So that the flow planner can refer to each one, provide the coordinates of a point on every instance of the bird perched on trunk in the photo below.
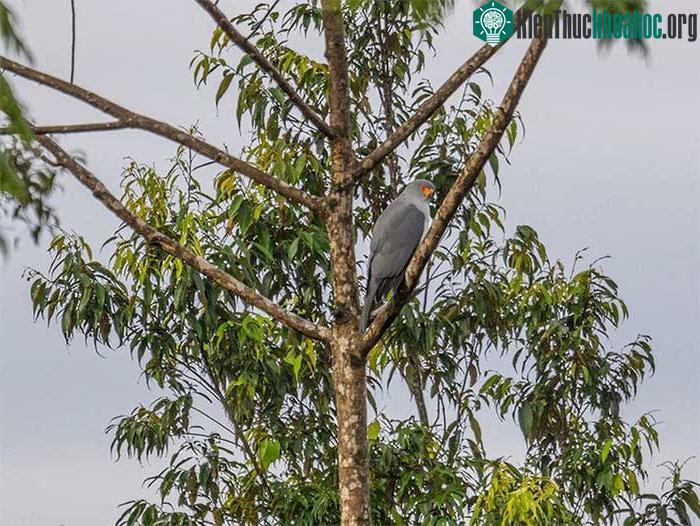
(395, 237)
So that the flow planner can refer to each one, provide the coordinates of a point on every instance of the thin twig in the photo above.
(72, 41)
(70, 128)
(414, 380)
(237, 430)
(262, 20)
(212, 419)
(387, 98)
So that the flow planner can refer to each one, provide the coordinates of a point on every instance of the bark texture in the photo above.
(348, 371)
(350, 383)
(70, 128)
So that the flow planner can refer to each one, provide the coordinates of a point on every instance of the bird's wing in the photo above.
(395, 241)
(382, 221)
(395, 238)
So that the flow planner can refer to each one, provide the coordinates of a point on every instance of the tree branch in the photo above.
(456, 194)
(70, 128)
(427, 108)
(131, 119)
(244, 44)
(414, 380)
(170, 246)
(386, 90)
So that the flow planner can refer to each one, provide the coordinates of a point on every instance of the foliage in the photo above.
(24, 183)
(247, 419)
(8, 32)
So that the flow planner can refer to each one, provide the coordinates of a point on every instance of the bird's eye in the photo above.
(427, 191)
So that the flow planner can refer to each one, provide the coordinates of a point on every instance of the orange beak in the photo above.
(427, 191)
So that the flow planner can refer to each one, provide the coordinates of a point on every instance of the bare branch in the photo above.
(131, 119)
(244, 44)
(457, 193)
(426, 109)
(170, 246)
(70, 128)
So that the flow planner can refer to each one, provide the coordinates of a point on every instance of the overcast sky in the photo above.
(610, 161)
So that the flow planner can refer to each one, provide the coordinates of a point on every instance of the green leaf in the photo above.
(10, 107)
(9, 35)
(632, 482)
(279, 96)
(691, 499)
(490, 382)
(476, 428)
(299, 166)
(245, 61)
(373, 430)
(526, 417)
(223, 87)
(268, 452)
(295, 360)
(10, 181)
(293, 248)
(605, 451)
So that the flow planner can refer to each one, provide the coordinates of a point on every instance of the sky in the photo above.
(610, 161)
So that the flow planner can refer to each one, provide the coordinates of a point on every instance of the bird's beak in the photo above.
(427, 191)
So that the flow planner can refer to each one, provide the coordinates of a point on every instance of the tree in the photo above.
(240, 298)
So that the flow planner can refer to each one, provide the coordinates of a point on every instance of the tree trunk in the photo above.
(351, 403)
(349, 370)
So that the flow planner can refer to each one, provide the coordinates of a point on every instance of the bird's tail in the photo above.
(367, 308)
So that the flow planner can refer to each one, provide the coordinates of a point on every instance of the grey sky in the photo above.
(610, 161)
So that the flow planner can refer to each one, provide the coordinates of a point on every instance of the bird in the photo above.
(395, 237)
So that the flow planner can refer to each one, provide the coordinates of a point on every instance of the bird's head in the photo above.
(420, 188)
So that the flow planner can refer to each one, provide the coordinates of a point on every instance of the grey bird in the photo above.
(395, 237)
